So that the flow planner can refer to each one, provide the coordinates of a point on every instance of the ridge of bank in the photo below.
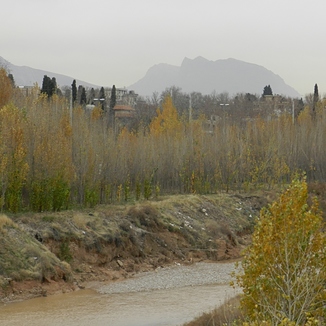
(46, 253)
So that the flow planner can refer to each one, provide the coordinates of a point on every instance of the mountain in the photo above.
(205, 76)
(27, 76)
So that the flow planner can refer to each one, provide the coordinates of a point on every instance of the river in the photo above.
(158, 307)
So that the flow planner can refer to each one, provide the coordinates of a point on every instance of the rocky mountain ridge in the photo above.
(205, 76)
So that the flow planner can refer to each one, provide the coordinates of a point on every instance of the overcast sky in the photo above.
(108, 42)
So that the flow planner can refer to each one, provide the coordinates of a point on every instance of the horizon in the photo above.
(87, 84)
(116, 43)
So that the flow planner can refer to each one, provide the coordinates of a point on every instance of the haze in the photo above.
(116, 42)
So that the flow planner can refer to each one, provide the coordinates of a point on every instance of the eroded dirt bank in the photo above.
(47, 253)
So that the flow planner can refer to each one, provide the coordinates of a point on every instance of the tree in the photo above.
(101, 97)
(74, 91)
(11, 77)
(284, 270)
(5, 87)
(166, 121)
(267, 90)
(91, 96)
(79, 94)
(83, 96)
(49, 86)
(315, 99)
(53, 85)
(113, 99)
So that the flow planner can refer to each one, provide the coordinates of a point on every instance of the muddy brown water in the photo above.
(169, 307)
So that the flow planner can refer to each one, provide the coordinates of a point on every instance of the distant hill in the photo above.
(205, 76)
(27, 76)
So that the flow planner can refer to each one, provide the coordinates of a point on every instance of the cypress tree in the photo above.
(45, 85)
(49, 86)
(74, 92)
(53, 86)
(316, 98)
(101, 97)
(11, 77)
(83, 96)
(267, 90)
(79, 94)
(91, 96)
(113, 99)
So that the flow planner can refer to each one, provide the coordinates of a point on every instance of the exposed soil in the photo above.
(112, 243)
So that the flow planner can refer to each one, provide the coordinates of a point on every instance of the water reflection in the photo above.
(87, 307)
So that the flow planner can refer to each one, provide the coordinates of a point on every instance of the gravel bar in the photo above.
(175, 276)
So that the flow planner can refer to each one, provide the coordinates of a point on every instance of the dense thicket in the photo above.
(50, 159)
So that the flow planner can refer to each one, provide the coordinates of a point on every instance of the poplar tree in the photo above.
(5, 87)
(284, 269)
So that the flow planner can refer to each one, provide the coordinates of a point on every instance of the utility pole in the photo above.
(70, 107)
(190, 109)
(292, 111)
(224, 115)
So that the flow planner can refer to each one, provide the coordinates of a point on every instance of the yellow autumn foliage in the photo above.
(5, 87)
(166, 121)
(284, 269)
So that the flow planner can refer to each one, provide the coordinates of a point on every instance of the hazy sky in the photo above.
(108, 42)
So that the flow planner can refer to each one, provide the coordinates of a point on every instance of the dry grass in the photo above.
(174, 227)
(5, 221)
(227, 314)
(80, 220)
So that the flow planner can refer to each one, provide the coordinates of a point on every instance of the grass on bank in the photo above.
(22, 257)
(227, 314)
(173, 227)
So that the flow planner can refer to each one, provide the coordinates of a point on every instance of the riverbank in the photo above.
(48, 253)
(170, 295)
(175, 276)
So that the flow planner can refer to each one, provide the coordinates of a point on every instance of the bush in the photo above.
(64, 252)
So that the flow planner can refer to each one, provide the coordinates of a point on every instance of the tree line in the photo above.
(52, 158)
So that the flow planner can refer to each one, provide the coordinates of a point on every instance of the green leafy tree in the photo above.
(284, 269)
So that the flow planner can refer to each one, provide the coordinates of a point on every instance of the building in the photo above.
(123, 96)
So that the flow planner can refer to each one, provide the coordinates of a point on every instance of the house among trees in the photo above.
(124, 111)
(123, 96)
(122, 105)
(25, 90)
